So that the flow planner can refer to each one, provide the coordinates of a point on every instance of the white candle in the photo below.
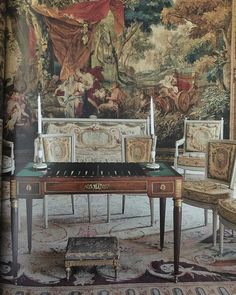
(152, 116)
(39, 115)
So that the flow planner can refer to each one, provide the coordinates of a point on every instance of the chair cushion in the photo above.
(192, 160)
(227, 209)
(205, 191)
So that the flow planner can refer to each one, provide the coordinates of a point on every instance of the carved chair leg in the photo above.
(89, 208)
(73, 204)
(215, 218)
(221, 244)
(108, 208)
(45, 211)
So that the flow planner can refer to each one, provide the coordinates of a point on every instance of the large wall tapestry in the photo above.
(107, 58)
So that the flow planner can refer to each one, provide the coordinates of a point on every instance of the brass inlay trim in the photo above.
(14, 203)
(165, 187)
(178, 188)
(13, 189)
(28, 187)
(96, 186)
(162, 187)
(178, 203)
(108, 185)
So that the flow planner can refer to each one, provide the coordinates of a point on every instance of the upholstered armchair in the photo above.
(8, 159)
(227, 216)
(218, 184)
(194, 142)
(57, 148)
(138, 148)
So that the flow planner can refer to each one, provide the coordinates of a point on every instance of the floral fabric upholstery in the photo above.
(92, 248)
(57, 149)
(193, 160)
(205, 191)
(221, 161)
(227, 209)
(199, 133)
(138, 148)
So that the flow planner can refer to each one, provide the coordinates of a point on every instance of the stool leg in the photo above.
(68, 272)
(115, 265)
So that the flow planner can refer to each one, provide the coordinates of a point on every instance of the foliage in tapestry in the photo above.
(109, 62)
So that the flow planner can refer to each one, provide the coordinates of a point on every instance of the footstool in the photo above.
(86, 251)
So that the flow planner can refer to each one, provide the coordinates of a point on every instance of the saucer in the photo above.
(153, 166)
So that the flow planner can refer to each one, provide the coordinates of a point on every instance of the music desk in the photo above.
(97, 178)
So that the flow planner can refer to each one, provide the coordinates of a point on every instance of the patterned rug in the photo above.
(225, 288)
(143, 270)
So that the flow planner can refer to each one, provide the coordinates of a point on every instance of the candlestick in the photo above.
(39, 115)
(152, 116)
(40, 164)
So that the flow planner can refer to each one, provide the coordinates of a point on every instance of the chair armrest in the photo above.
(178, 143)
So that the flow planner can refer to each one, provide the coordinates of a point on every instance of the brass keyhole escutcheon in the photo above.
(163, 187)
(28, 188)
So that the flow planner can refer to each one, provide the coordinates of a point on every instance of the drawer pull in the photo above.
(162, 187)
(28, 188)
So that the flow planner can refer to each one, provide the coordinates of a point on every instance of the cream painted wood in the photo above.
(228, 184)
(144, 145)
(98, 140)
(200, 149)
(48, 156)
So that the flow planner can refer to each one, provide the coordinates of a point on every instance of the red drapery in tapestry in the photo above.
(66, 30)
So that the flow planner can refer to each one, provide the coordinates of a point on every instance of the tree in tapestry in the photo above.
(107, 58)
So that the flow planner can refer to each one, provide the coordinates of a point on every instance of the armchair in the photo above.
(138, 149)
(227, 217)
(57, 148)
(219, 180)
(8, 159)
(194, 142)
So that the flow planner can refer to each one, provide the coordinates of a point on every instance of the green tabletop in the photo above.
(164, 170)
(29, 171)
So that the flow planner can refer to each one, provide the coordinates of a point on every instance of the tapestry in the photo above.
(108, 58)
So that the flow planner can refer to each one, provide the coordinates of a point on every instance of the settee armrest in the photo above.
(178, 143)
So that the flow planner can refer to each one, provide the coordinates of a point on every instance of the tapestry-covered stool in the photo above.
(86, 251)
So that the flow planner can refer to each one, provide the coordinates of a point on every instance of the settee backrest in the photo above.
(96, 140)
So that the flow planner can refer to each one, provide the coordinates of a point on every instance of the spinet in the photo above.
(97, 178)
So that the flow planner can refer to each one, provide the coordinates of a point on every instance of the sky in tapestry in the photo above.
(107, 58)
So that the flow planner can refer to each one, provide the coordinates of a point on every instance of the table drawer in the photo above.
(164, 187)
(28, 188)
(96, 187)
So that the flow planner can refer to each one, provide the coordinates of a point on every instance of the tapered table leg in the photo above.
(177, 234)
(162, 221)
(14, 229)
(29, 222)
